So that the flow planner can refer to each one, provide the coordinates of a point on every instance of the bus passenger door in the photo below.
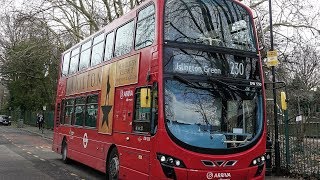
(135, 156)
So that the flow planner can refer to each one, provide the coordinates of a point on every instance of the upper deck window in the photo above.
(85, 55)
(145, 27)
(97, 49)
(215, 23)
(74, 60)
(124, 39)
(109, 46)
(66, 61)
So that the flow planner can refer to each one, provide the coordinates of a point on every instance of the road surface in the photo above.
(25, 155)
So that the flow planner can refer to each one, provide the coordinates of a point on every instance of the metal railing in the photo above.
(30, 118)
(300, 157)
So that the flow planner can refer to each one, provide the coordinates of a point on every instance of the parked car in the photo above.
(5, 120)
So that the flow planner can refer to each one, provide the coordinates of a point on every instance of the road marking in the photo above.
(42, 159)
(53, 165)
(72, 174)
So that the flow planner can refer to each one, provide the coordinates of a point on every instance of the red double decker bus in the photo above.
(172, 90)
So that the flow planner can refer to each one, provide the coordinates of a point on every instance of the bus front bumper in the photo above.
(250, 173)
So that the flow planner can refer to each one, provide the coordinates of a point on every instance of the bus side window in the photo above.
(74, 61)
(68, 112)
(79, 111)
(154, 110)
(145, 27)
(97, 50)
(66, 62)
(109, 46)
(91, 111)
(124, 39)
(59, 115)
(142, 114)
(85, 55)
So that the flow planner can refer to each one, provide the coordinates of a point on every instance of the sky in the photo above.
(313, 8)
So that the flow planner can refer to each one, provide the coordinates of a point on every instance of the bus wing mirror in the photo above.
(283, 101)
(145, 98)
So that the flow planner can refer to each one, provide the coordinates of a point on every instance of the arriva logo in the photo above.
(125, 94)
(222, 175)
(209, 175)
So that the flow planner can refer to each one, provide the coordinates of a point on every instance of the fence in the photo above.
(30, 118)
(300, 155)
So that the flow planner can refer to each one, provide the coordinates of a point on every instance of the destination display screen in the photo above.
(195, 62)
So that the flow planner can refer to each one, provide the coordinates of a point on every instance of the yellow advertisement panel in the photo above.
(105, 78)
(107, 99)
(85, 82)
(127, 71)
(120, 73)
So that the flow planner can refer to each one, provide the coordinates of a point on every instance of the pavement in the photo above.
(48, 134)
(278, 178)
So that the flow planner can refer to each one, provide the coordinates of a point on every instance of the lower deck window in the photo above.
(79, 115)
(68, 112)
(81, 111)
(91, 111)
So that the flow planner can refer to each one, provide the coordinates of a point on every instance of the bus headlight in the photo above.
(258, 161)
(167, 160)
(163, 159)
(178, 163)
(254, 162)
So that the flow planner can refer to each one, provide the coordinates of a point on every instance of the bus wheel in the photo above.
(64, 152)
(113, 165)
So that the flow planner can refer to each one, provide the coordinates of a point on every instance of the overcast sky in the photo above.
(312, 8)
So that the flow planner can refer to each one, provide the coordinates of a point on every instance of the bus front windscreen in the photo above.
(213, 114)
(221, 23)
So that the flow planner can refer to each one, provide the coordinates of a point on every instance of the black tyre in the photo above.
(112, 166)
(64, 153)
